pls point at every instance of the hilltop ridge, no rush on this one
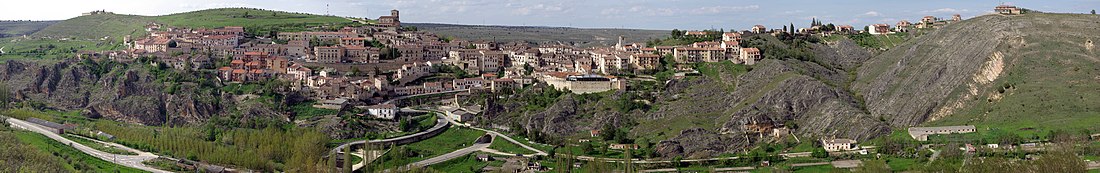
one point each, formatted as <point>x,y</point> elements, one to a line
<point>118,25</point>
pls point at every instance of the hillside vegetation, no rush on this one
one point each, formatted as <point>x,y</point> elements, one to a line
<point>20,28</point>
<point>1029,74</point>
<point>106,31</point>
<point>117,25</point>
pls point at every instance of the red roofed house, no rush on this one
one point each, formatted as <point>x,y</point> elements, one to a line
<point>759,29</point>
<point>354,41</point>
<point>1007,10</point>
<point>928,19</point>
<point>645,61</point>
<point>749,56</point>
<point>903,26</point>
<point>731,36</point>
<point>329,54</point>
<point>845,29</point>
<point>879,29</point>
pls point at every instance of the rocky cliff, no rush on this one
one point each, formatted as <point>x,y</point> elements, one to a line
<point>118,92</point>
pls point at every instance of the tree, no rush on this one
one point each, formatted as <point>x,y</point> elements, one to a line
<point>819,153</point>
<point>1059,160</point>
<point>527,69</point>
<point>5,95</point>
<point>676,161</point>
<point>629,160</point>
<point>347,159</point>
<point>1093,11</point>
<point>389,54</point>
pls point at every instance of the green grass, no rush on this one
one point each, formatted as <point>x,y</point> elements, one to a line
<point>114,26</point>
<point>543,147</point>
<point>48,115</point>
<point>508,147</point>
<point>74,157</point>
<point>803,147</point>
<point>450,140</point>
<point>900,164</point>
<point>305,110</point>
<point>254,20</point>
<point>465,164</point>
<point>877,41</point>
<point>98,146</point>
<point>818,168</point>
<point>20,28</point>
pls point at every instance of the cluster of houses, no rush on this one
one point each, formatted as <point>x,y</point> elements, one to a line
<point>933,21</point>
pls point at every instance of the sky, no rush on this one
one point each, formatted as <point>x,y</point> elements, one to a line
<point>638,14</point>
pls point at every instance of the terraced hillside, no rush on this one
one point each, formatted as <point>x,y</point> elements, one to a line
<point>1027,74</point>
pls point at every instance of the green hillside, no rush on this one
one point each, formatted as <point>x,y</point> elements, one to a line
<point>105,31</point>
<point>1026,74</point>
<point>116,25</point>
<point>255,21</point>
<point>20,28</point>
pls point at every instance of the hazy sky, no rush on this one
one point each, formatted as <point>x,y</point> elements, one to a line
<point>648,14</point>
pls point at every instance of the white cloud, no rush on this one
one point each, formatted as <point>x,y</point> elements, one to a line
<point>872,14</point>
<point>722,9</point>
<point>540,9</point>
<point>946,11</point>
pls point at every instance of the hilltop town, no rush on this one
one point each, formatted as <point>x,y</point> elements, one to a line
<point>374,95</point>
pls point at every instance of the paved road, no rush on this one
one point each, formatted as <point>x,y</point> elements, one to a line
<point>494,133</point>
<point>124,160</point>
<point>800,154</point>
<point>439,124</point>
<point>847,163</point>
<point>809,164</point>
<point>451,155</point>
<point>1094,165</point>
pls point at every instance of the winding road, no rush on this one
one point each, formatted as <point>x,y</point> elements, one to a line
<point>133,161</point>
<point>439,125</point>
<point>494,133</point>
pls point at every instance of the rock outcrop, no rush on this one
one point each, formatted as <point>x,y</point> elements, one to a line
<point>123,94</point>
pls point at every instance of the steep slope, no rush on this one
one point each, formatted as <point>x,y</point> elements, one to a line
<point>126,93</point>
<point>728,109</point>
<point>1026,71</point>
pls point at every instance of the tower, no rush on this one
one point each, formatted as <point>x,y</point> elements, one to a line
<point>394,13</point>
<point>620,44</point>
